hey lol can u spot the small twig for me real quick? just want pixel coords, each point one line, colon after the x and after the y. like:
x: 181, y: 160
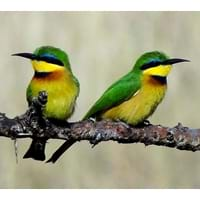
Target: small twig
x: 16, y: 150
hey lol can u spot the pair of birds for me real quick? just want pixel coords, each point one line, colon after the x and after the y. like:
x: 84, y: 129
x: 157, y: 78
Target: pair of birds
x: 131, y: 99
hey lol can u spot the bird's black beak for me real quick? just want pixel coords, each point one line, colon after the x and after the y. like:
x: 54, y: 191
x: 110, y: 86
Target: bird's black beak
x: 25, y: 55
x: 174, y: 61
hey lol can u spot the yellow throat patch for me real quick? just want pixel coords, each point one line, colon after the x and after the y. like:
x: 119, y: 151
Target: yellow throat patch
x: 42, y: 66
x: 161, y: 70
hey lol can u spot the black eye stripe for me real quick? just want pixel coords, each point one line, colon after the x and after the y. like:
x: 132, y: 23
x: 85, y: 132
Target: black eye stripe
x: 50, y: 60
x: 165, y: 62
x: 151, y: 64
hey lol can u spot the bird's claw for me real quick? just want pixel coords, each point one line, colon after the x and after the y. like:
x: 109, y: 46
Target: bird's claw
x: 92, y: 119
x: 146, y: 122
x: 42, y: 98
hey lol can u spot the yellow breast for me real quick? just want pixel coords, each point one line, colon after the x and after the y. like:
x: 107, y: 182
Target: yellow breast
x: 62, y: 92
x: 141, y: 105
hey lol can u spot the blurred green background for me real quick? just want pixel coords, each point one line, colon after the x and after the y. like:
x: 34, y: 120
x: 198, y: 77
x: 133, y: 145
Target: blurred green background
x: 102, y: 46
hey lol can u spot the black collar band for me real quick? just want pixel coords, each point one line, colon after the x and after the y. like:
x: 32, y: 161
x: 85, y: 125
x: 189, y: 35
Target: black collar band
x: 41, y: 74
x: 160, y: 79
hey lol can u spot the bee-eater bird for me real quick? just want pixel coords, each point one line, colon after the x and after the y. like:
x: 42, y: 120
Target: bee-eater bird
x: 53, y: 74
x: 136, y: 95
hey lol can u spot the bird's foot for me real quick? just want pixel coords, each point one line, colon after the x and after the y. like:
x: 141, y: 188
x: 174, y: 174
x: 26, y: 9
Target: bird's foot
x: 92, y: 119
x: 36, y: 107
x: 144, y: 123
x: 38, y: 103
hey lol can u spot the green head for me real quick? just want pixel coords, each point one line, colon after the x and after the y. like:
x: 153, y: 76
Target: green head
x: 156, y: 63
x: 47, y: 59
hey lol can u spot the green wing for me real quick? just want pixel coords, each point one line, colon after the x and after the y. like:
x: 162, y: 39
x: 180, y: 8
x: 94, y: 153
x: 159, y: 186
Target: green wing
x: 29, y: 94
x: 120, y: 91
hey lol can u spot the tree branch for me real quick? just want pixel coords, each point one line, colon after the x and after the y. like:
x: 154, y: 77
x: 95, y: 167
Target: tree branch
x: 33, y: 124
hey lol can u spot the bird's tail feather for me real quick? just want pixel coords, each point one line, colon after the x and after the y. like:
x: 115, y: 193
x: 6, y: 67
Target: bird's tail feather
x: 66, y: 145
x: 36, y: 150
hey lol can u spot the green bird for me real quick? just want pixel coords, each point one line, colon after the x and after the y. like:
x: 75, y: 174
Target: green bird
x: 135, y: 96
x: 53, y: 74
